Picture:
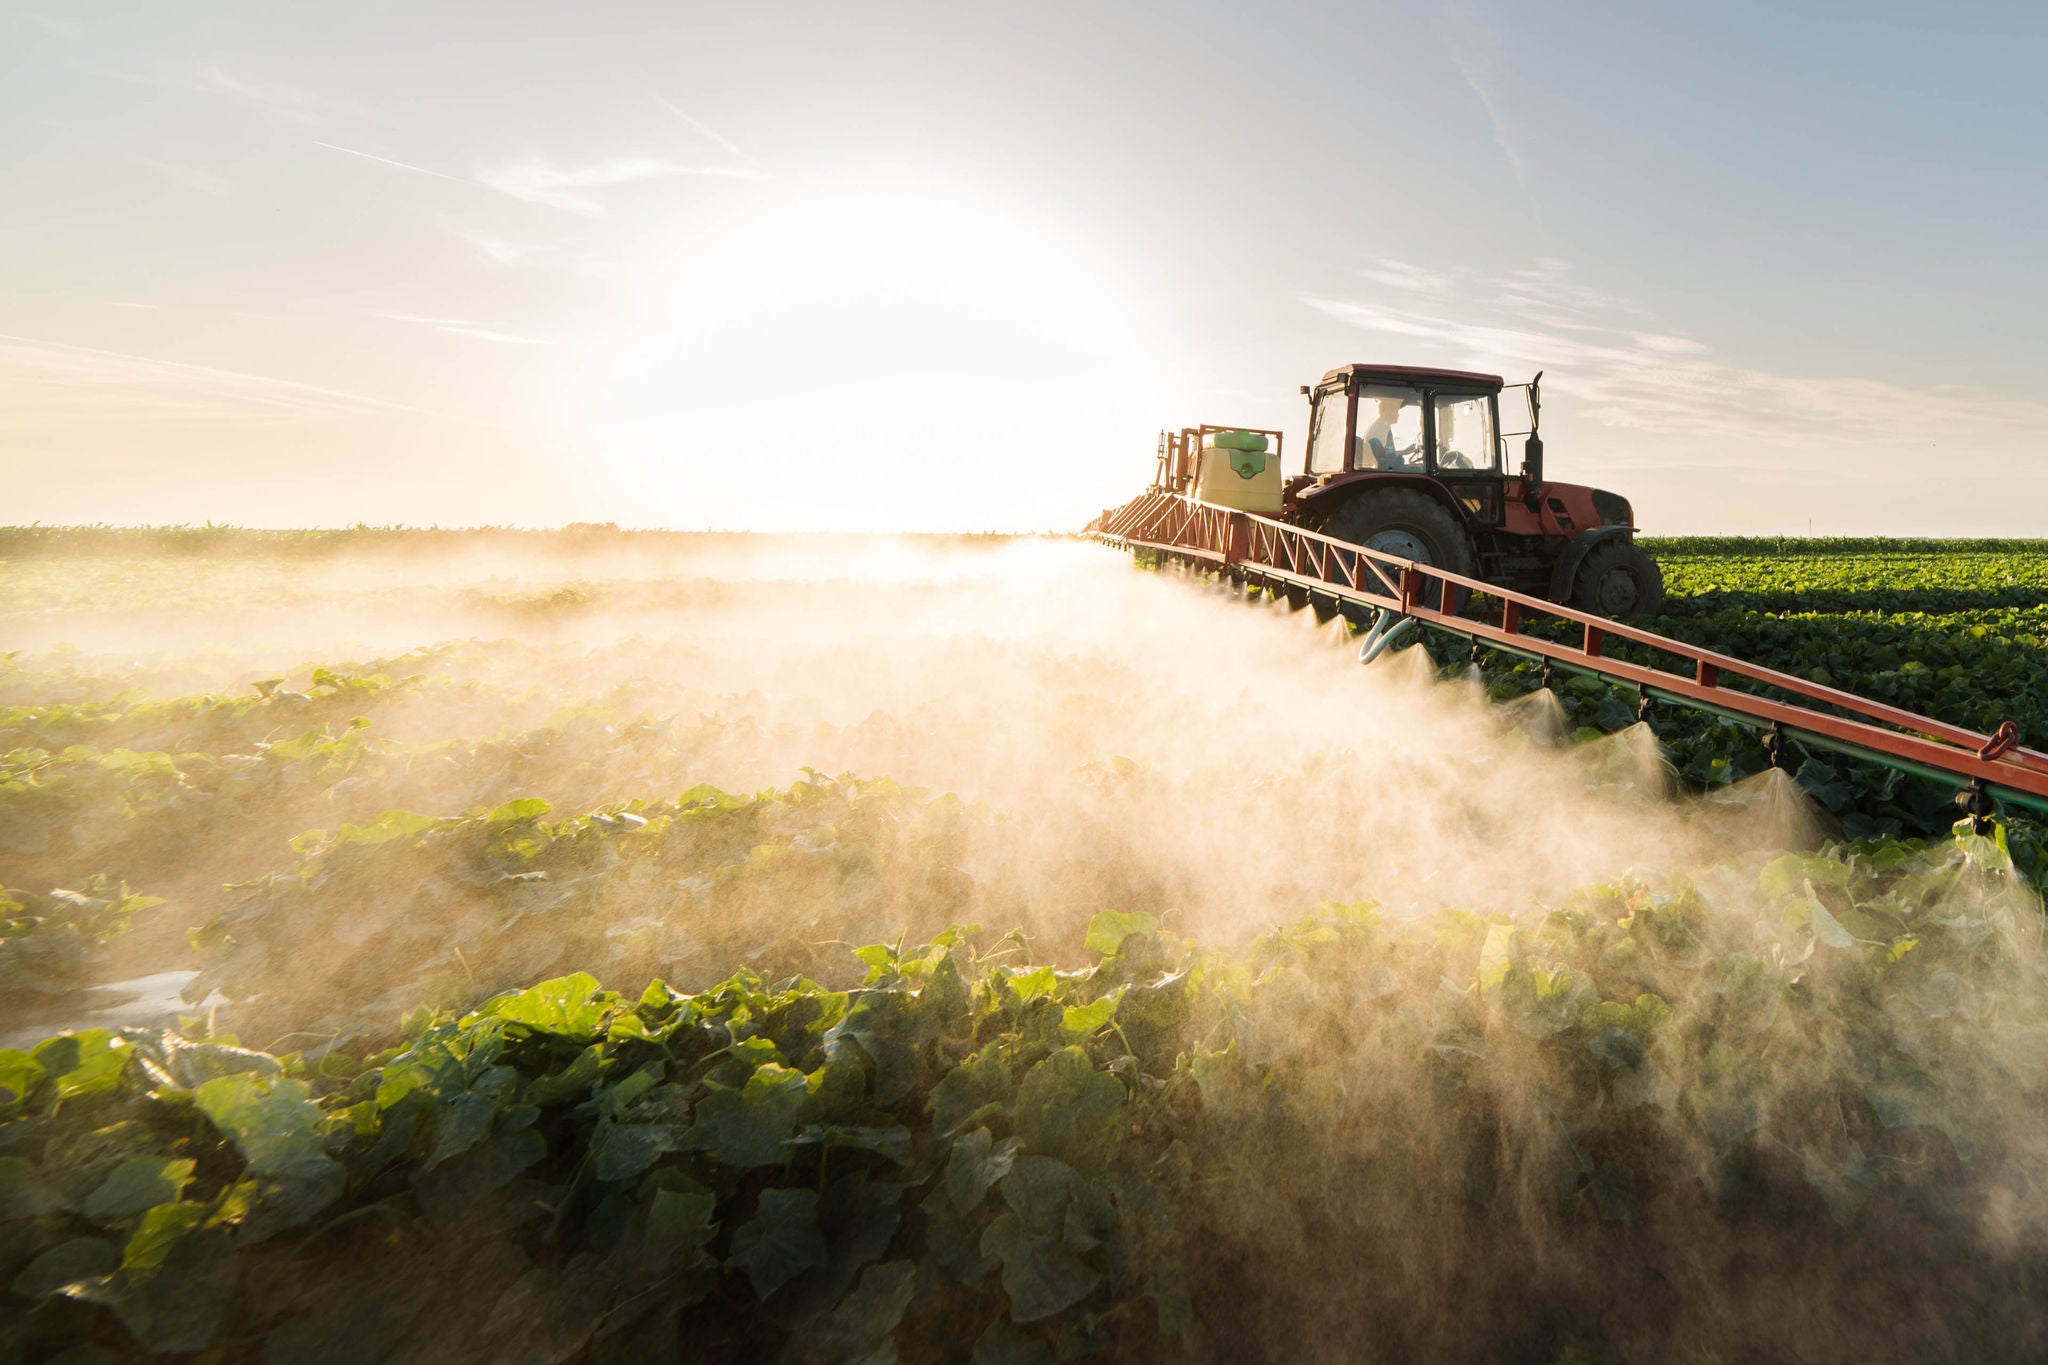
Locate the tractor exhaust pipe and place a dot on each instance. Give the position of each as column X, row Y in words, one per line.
column 1532, row 449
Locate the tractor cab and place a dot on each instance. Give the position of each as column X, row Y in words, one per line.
column 1438, row 425
column 1414, row 462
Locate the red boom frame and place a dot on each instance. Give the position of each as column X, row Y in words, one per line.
column 1264, row 549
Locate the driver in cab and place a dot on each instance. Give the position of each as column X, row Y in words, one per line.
column 1378, row 439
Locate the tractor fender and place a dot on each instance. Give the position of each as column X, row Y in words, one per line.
column 1318, row 502
column 1573, row 555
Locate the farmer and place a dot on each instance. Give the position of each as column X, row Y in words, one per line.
column 1379, row 435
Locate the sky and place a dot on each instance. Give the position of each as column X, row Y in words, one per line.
column 799, row 266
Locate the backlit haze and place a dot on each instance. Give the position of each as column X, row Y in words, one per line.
column 893, row 267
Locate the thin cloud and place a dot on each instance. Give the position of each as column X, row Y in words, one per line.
column 461, row 328
column 496, row 248
column 387, row 161
column 700, row 126
column 1411, row 279
column 568, row 188
column 54, row 381
column 288, row 100
column 1623, row 374
column 1470, row 46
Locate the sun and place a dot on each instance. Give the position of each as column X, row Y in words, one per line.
column 888, row 357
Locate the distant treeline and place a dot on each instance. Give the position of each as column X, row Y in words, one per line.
column 23, row 542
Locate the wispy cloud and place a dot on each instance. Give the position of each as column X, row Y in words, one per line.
column 1623, row 371
column 571, row 188
column 707, row 131
column 387, row 161
column 497, row 248
column 476, row 331
column 289, row 101
column 1469, row 42
column 52, row 381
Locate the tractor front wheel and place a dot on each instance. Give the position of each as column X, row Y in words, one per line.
column 1619, row 581
column 1412, row 525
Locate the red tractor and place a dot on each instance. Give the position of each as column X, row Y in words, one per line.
column 1413, row 462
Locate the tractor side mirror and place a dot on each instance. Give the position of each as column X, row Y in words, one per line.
column 1532, row 459
column 1304, row 390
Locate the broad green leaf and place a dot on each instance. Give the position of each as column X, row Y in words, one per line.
column 947, row 995
column 281, row 1135
column 175, row 1064
column 567, row 1007
column 137, row 1184
column 1066, row 1107
column 571, row 1083
column 1108, row 930
column 159, row 1232
column 1826, row 927
column 894, row 1143
column 1040, row 1275
column 892, row 1027
column 977, row 1163
column 19, row 1074
column 859, row 1217
column 679, row 1226
column 526, row 808
column 1029, row 985
column 1040, row 1190
column 749, row 1126
column 392, row 824
column 63, row 1265
column 463, row 1120
column 1082, row 1020
column 967, row 1089
column 1496, row 956
column 860, row 1328
column 176, row 1280
column 449, row 1189
column 624, row 1150
column 89, row 1062
column 781, row 1240
column 25, row 1193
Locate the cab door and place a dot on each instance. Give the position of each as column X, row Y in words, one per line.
column 1465, row 453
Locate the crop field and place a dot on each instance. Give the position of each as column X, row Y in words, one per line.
column 591, row 945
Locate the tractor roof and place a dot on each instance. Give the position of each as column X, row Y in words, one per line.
column 1464, row 379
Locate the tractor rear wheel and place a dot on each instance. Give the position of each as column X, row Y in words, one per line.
column 1411, row 524
column 1619, row 581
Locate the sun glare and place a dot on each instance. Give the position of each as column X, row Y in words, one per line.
column 876, row 358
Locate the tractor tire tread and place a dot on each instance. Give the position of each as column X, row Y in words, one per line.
column 1609, row 556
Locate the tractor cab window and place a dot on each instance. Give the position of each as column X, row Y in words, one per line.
column 1389, row 428
column 1326, row 435
column 1464, row 435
